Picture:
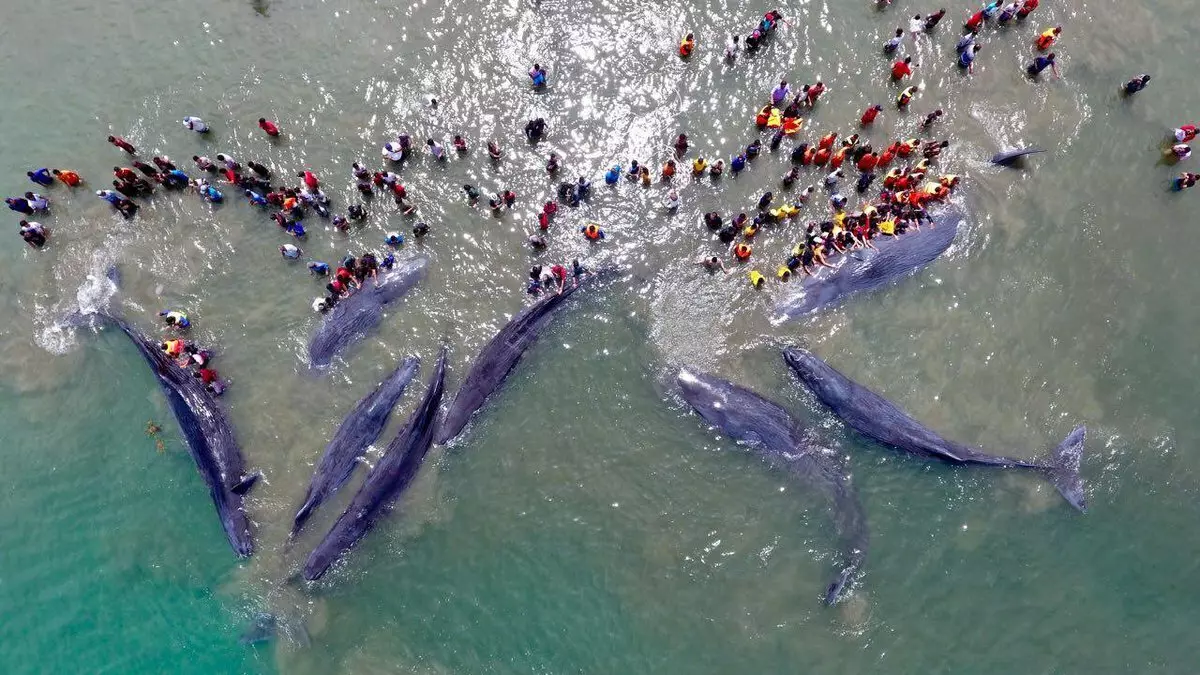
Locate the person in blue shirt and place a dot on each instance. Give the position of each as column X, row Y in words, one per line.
column 967, row 58
column 21, row 205
column 175, row 179
column 255, row 198
column 318, row 268
column 753, row 149
column 1041, row 63
column 613, row 175
column 738, row 163
column 538, row 75
column 110, row 196
column 41, row 176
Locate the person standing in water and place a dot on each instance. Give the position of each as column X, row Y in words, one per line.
column 122, row 144
column 893, row 44
column 1136, row 84
column 269, row 127
column 731, row 48
column 538, row 75
column 1041, row 63
column 195, row 124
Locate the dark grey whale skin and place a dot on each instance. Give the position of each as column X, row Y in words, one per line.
column 352, row 318
column 384, row 484
column 883, row 421
column 207, row 431
column 502, row 353
column 867, row 269
column 361, row 427
column 773, row 435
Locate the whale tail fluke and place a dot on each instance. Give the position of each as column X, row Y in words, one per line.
column 1063, row 470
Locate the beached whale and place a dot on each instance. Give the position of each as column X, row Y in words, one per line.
column 208, row 433
column 773, row 435
column 499, row 357
column 353, row 317
column 391, row 475
column 878, row 418
column 870, row 268
column 360, row 429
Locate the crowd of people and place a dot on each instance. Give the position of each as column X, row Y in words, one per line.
column 186, row 353
column 903, row 169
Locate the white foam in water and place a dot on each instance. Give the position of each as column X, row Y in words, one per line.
column 95, row 292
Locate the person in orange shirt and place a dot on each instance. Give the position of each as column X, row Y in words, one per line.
column 686, row 45
column 668, row 170
column 67, row 176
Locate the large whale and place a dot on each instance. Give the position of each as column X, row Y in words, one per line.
column 870, row 268
column 360, row 429
column 774, row 435
column 500, row 356
column 207, row 432
column 878, row 418
column 353, row 317
column 394, row 472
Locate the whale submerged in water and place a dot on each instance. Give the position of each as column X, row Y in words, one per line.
column 353, row 317
column 501, row 355
column 207, row 430
column 870, row 268
column 360, row 428
column 772, row 434
column 393, row 473
column 883, row 421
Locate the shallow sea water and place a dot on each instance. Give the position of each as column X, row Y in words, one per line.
column 587, row 522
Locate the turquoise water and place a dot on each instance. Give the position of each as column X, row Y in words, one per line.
column 588, row 522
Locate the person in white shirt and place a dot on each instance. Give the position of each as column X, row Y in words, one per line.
column 731, row 47
column 195, row 124
column 37, row 202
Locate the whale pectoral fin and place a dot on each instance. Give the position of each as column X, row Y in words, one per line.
column 243, row 486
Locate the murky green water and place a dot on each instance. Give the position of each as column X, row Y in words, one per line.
column 588, row 523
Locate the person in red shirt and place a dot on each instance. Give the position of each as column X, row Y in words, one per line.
column 310, row 180
column 122, row 144
column 124, row 174
column 868, row 162
column 811, row 94
column 869, row 115
column 268, row 126
column 1026, row 8
column 901, row 69
column 560, row 274
column 974, row 23
column 887, row 155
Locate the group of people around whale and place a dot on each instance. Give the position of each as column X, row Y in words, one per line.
column 187, row 354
